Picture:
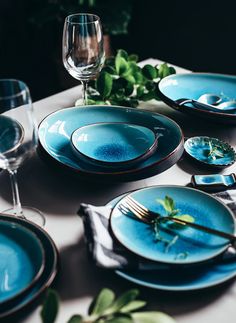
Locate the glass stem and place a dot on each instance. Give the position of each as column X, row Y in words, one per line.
column 17, row 209
column 85, row 85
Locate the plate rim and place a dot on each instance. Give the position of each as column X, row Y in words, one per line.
column 176, row 262
column 177, row 149
column 50, row 277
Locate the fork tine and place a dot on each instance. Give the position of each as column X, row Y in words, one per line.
column 142, row 208
column 137, row 209
column 130, row 208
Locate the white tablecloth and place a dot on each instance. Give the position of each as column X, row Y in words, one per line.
column 59, row 197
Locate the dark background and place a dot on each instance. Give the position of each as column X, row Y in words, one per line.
column 198, row 35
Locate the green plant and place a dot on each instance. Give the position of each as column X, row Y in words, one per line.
column 214, row 151
column 115, row 15
column 123, row 82
column 105, row 308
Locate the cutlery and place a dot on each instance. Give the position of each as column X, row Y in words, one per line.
column 147, row 216
column 225, row 106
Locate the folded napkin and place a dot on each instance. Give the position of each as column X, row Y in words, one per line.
column 106, row 252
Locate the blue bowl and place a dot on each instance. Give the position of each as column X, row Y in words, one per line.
column 210, row 152
column 55, row 147
column 22, row 261
column 114, row 144
column 191, row 245
column 192, row 86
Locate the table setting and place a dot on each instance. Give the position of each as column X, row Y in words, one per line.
column 130, row 186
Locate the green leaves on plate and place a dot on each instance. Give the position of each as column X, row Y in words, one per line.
column 105, row 308
column 122, row 82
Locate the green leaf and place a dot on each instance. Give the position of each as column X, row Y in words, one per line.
column 167, row 203
column 123, row 53
column 152, row 317
column 150, row 86
column 132, row 306
column 76, row 319
column 164, row 70
column 50, row 307
column 102, row 302
column 147, row 96
column 133, row 58
column 185, row 217
column 121, row 65
column 104, row 84
column 130, row 79
column 120, row 318
column 109, row 69
column 149, row 72
column 129, row 89
column 140, row 91
column 123, row 300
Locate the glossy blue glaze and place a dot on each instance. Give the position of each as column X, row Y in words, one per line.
column 113, row 144
column 56, row 129
column 200, row 147
column 47, row 276
column 193, row 86
column 198, row 245
column 21, row 259
column 181, row 278
column 216, row 179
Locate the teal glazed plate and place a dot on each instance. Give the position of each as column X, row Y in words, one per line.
column 176, row 244
column 210, row 152
column 12, row 309
column 114, row 144
column 181, row 278
column 56, row 129
column 193, row 86
column 21, row 260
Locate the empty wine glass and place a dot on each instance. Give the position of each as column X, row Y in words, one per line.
column 18, row 140
column 83, row 52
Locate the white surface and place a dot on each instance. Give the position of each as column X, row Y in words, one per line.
column 59, row 197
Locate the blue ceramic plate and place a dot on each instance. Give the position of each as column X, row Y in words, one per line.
column 47, row 276
column 183, row 245
column 192, row 86
column 114, row 144
column 210, row 151
column 21, row 260
column 181, row 278
column 56, row 129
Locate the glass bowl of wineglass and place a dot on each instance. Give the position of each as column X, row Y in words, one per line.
column 83, row 51
column 18, row 140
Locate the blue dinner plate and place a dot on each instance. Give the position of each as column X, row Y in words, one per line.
column 56, row 129
column 50, row 269
column 210, row 151
column 179, row 244
column 114, row 144
column 21, row 260
column 181, row 278
column 192, row 86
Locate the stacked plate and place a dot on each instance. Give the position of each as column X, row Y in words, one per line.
column 183, row 258
column 115, row 143
column 28, row 263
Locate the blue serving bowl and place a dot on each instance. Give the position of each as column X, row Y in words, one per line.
column 22, row 261
column 114, row 144
column 210, row 152
column 192, row 86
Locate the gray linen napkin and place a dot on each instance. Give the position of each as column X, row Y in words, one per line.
column 106, row 252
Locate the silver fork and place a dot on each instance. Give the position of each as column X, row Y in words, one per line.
column 147, row 216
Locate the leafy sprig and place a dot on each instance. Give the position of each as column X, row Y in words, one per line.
column 123, row 82
column 214, row 151
column 106, row 308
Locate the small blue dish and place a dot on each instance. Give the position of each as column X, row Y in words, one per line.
column 210, row 152
column 22, row 261
column 193, row 86
column 185, row 245
column 114, row 144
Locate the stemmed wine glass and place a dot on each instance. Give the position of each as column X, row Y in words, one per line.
column 83, row 52
column 18, row 139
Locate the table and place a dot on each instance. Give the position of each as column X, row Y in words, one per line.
column 59, row 197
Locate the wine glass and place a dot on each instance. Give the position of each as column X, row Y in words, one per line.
column 83, row 52
column 18, row 140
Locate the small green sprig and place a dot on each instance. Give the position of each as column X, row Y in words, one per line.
column 106, row 308
column 123, row 82
column 214, row 151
